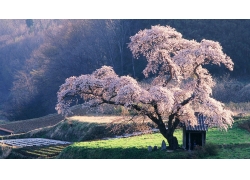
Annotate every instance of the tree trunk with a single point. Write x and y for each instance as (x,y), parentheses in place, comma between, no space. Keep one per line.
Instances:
(173,142)
(169,135)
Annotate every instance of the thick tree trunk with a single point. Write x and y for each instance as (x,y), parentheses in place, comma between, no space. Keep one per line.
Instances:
(168,132)
(173,142)
(169,135)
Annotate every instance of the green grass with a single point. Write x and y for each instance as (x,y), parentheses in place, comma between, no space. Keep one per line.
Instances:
(232,144)
(230,137)
(237,151)
(124,148)
(44,152)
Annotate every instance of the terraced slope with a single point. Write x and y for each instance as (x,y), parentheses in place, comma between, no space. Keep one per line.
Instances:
(31,124)
(45,152)
(23,126)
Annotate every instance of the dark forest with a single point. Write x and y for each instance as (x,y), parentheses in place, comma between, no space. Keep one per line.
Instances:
(36,56)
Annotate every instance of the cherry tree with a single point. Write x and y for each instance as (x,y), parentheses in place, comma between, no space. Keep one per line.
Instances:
(181,85)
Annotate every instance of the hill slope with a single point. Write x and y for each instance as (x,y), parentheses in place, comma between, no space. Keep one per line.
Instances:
(31,124)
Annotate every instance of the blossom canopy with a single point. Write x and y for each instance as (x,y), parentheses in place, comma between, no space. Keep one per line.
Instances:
(181,87)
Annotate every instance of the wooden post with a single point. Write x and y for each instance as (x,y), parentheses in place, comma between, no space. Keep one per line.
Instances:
(184,145)
(189,142)
(202,137)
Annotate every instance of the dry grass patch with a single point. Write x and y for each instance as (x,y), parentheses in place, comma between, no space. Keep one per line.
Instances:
(4,151)
(104,119)
(96,119)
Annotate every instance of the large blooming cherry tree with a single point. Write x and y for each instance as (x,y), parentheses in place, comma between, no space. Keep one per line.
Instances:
(181,85)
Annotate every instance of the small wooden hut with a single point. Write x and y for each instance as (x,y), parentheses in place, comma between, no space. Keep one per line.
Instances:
(195,135)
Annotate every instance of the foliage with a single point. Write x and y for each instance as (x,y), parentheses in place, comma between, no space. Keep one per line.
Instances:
(245,124)
(227,89)
(230,90)
(17,44)
(77,46)
(209,149)
(35,60)
(4,151)
(240,108)
(181,87)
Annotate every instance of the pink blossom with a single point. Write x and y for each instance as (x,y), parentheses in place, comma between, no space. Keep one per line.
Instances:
(182,85)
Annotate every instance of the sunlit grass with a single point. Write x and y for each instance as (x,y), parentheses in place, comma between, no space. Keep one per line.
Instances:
(233,144)
(124,148)
(143,141)
(36,152)
(232,136)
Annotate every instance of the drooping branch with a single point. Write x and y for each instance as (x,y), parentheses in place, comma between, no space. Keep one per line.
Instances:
(172,59)
(197,74)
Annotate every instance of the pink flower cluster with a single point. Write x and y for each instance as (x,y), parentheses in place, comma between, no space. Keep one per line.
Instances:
(182,85)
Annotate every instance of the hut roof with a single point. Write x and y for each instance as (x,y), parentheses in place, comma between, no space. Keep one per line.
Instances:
(201,126)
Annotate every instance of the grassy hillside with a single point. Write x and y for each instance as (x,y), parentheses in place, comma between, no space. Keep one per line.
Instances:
(231,144)
(78,128)
(124,148)
(73,129)
(45,152)
(34,152)
(86,132)
(31,124)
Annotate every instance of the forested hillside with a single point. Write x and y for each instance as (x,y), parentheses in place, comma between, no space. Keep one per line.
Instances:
(36,56)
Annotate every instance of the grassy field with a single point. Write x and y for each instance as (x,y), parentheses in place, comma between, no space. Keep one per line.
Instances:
(80,128)
(34,152)
(31,124)
(45,152)
(231,144)
(123,148)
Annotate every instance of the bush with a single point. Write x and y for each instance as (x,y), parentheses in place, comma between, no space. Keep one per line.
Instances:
(211,149)
(245,125)
(244,93)
(208,150)
(227,89)
(4,151)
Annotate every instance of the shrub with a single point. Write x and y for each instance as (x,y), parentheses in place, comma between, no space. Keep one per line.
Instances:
(209,149)
(4,151)
(227,89)
(244,93)
(245,125)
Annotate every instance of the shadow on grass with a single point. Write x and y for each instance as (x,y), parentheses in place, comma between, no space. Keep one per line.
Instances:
(229,151)
(119,153)
(233,151)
